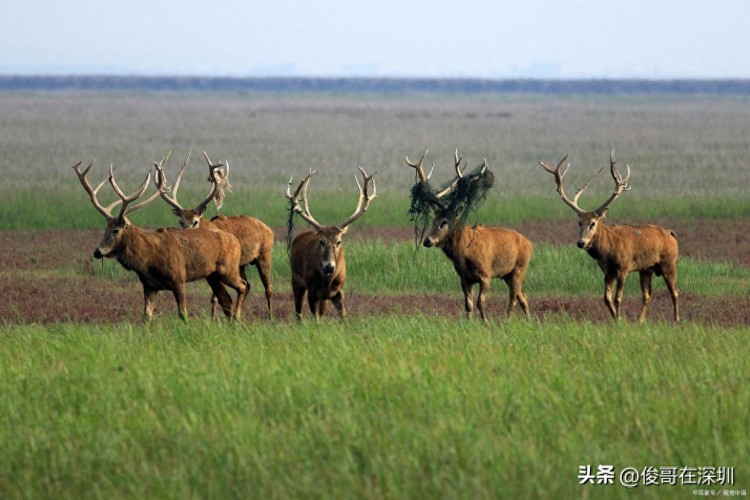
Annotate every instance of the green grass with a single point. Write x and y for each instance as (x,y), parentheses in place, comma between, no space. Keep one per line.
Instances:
(396,268)
(377,407)
(70,209)
(382,406)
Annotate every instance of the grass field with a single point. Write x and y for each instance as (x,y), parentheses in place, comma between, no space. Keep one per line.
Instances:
(405,398)
(378,407)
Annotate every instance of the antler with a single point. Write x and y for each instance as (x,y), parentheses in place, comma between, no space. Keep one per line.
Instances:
(161,181)
(303,212)
(621,184)
(105,211)
(559,181)
(364,197)
(127,200)
(215,179)
(419,167)
(459,174)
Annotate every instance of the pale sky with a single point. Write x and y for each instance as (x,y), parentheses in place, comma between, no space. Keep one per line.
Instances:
(410,38)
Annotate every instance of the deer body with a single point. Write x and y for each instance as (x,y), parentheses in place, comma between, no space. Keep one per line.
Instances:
(621,249)
(166,259)
(318,270)
(256,246)
(255,237)
(478,253)
(481,253)
(317,256)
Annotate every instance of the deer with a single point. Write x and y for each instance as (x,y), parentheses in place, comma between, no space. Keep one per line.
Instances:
(316,256)
(166,259)
(620,249)
(478,253)
(255,237)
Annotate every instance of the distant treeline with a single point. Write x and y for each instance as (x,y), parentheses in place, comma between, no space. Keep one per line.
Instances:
(375,85)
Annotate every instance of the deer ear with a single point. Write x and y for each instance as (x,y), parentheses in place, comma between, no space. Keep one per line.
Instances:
(176,212)
(344,230)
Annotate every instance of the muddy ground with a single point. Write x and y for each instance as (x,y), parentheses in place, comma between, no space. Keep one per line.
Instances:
(77,294)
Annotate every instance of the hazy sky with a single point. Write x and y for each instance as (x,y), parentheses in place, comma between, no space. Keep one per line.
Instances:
(416,38)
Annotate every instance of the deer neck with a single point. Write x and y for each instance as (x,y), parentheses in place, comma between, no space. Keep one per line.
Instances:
(133,248)
(601,242)
(451,242)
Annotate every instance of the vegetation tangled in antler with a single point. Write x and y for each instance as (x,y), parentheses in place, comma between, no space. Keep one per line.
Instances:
(458,198)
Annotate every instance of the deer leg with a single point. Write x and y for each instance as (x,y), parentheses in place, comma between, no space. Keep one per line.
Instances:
(517,295)
(609,283)
(518,278)
(484,285)
(524,303)
(239,285)
(214,304)
(219,297)
(149,296)
(264,271)
(247,283)
(338,303)
(467,288)
(646,291)
(314,304)
(179,296)
(299,298)
(670,278)
(618,294)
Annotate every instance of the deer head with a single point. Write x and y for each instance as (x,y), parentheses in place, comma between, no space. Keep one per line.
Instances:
(118,225)
(330,237)
(589,222)
(447,212)
(189,217)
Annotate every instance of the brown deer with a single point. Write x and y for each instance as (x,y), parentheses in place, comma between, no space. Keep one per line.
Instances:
(317,256)
(478,253)
(620,249)
(256,238)
(166,259)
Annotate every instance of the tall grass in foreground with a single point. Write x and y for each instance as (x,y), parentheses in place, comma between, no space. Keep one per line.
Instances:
(382,407)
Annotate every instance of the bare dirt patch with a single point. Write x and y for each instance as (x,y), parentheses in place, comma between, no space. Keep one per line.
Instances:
(92,299)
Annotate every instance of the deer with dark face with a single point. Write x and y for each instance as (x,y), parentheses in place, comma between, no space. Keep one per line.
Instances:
(255,237)
(621,249)
(478,253)
(317,256)
(166,259)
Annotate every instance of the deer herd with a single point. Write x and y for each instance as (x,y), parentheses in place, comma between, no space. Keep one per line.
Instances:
(219,249)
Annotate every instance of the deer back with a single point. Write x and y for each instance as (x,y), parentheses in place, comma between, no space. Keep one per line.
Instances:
(634,247)
(489,251)
(166,255)
(255,237)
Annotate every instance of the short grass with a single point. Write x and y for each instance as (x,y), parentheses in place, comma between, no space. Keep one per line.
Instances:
(688,153)
(383,406)
(67,208)
(377,407)
(554,271)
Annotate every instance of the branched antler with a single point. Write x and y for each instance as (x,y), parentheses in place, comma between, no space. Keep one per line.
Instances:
(304,210)
(105,211)
(364,198)
(621,184)
(127,200)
